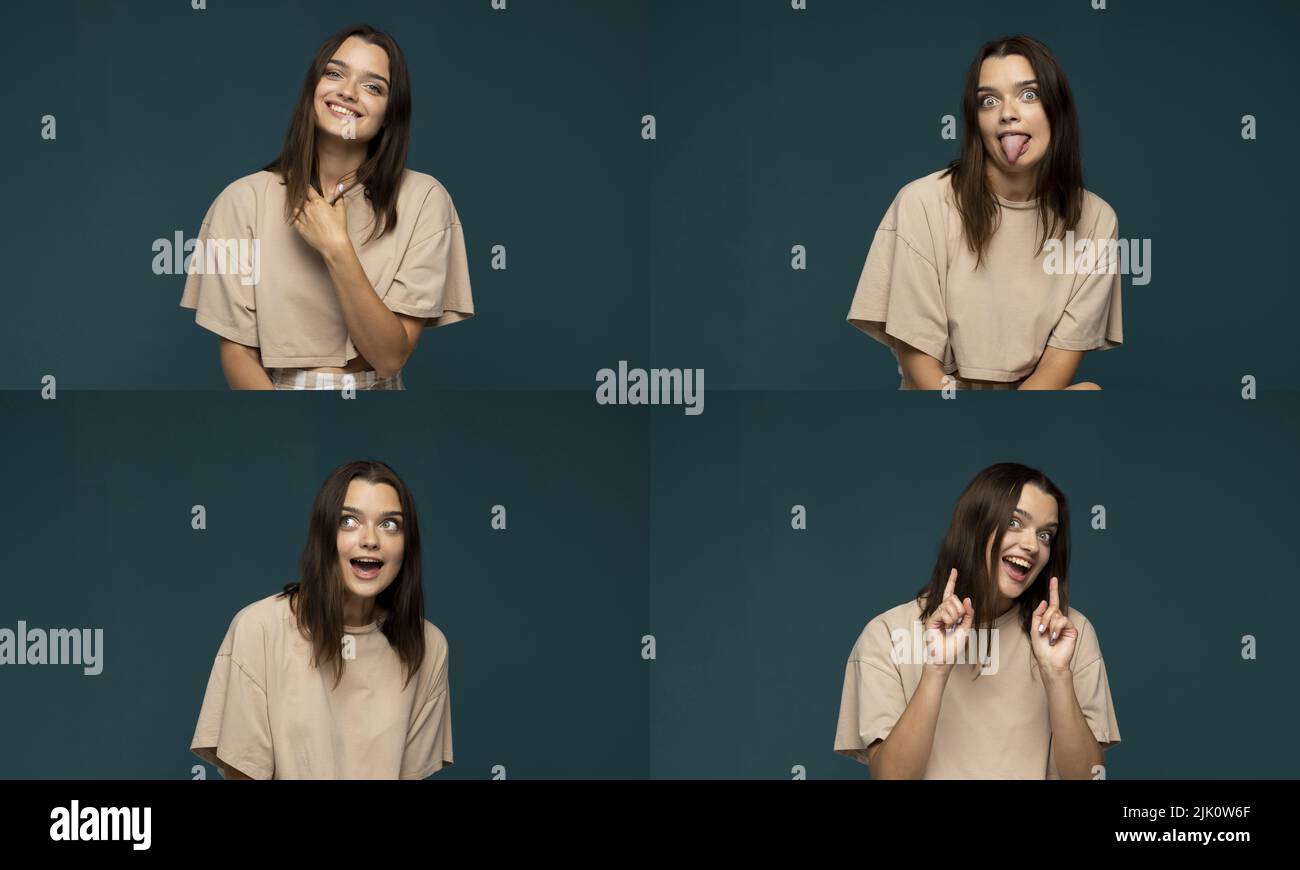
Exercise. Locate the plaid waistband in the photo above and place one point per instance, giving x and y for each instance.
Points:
(960, 384)
(305, 379)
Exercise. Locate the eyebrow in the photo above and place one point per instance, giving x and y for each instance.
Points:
(364, 71)
(350, 509)
(1030, 517)
(994, 90)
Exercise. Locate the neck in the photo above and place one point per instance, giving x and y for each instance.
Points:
(358, 611)
(337, 160)
(1017, 188)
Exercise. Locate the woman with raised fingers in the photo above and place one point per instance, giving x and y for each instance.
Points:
(968, 281)
(988, 673)
(343, 255)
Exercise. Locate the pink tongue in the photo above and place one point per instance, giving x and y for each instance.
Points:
(1012, 146)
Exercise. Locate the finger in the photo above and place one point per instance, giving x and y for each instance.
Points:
(1044, 618)
(952, 583)
(312, 195)
(969, 619)
(951, 613)
(1059, 625)
(1054, 596)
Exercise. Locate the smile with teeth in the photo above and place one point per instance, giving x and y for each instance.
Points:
(1017, 567)
(341, 112)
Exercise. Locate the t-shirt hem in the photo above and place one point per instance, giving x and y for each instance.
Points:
(432, 316)
(225, 330)
(1000, 375)
(246, 766)
(430, 770)
(882, 327)
(303, 362)
(1094, 344)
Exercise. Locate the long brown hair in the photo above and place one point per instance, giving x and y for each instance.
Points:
(1058, 184)
(381, 172)
(317, 596)
(984, 508)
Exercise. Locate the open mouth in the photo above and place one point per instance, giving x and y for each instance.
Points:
(366, 569)
(340, 111)
(1017, 569)
(1014, 145)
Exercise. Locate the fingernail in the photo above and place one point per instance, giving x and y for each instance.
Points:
(1040, 628)
(1053, 637)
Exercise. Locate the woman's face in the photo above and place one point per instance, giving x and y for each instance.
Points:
(1027, 544)
(371, 529)
(352, 94)
(1013, 124)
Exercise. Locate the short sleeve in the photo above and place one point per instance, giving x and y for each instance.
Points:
(898, 294)
(234, 727)
(428, 741)
(432, 281)
(219, 284)
(872, 700)
(1092, 319)
(1092, 688)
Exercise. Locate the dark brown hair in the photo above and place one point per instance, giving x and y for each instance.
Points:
(317, 597)
(985, 508)
(1058, 184)
(381, 172)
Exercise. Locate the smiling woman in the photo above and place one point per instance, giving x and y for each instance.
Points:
(956, 283)
(356, 254)
(339, 676)
(1042, 709)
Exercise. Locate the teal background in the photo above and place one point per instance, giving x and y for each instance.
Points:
(755, 620)
(779, 128)
(529, 118)
(543, 619)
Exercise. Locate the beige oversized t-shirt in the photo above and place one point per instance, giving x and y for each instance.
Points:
(993, 727)
(269, 714)
(920, 286)
(277, 295)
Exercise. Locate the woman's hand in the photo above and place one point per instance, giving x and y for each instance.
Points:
(947, 628)
(323, 225)
(1051, 634)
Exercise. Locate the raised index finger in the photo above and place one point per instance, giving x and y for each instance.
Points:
(952, 584)
(1054, 596)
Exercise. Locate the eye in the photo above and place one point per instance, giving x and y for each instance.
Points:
(395, 524)
(1015, 523)
(1033, 95)
(344, 522)
(333, 72)
(985, 102)
(378, 91)
(1047, 537)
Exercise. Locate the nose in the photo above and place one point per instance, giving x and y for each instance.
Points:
(369, 537)
(1009, 112)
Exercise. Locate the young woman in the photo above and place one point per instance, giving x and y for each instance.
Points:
(961, 283)
(341, 255)
(339, 676)
(1009, 682)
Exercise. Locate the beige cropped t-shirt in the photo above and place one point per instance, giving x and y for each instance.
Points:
(276, 294)
(919, 285)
